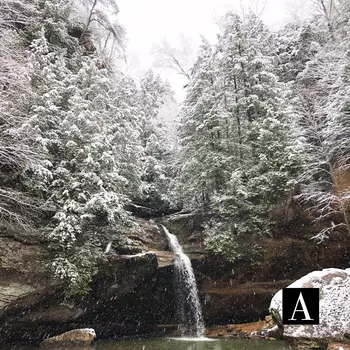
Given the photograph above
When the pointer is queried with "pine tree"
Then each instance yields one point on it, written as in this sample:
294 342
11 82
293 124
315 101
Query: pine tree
87 186
198 161
156 150
265 165
296 45
88 129
239 128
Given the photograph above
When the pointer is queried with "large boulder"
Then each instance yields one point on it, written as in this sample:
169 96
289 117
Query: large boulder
334 285
76 337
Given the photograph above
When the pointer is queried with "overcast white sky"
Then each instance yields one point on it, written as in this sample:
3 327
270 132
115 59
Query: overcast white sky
148 21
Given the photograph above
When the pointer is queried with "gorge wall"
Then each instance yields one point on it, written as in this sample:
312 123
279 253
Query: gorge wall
133 293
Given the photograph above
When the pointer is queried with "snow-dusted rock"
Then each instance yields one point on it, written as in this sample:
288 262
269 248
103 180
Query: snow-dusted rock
83 336
274 332
334 287
338 346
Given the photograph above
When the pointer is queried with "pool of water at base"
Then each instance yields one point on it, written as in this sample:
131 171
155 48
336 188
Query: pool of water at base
170 344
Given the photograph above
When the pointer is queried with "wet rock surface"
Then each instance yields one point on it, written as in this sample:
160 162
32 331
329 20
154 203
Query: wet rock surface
338 346
242 291
22 269
127 295
264 329
235 330
226 303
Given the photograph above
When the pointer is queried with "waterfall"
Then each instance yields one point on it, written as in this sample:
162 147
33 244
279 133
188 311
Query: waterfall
188 305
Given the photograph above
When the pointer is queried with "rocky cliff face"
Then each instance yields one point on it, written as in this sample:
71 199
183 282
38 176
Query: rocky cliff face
133 293
126 294
241 291
22 268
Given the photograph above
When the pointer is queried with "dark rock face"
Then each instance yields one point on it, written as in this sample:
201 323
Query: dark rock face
241 291
185 225
131 290
21 269
130 295
237 304
24 283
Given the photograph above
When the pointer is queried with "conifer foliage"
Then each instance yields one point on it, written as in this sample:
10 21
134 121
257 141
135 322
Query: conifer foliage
265 119
235 133
155 160
87 137
75 112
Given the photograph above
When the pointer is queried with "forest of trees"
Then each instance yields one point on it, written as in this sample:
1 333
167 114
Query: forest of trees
265 121
80 140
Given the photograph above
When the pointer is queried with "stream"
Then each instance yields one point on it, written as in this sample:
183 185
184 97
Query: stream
170 344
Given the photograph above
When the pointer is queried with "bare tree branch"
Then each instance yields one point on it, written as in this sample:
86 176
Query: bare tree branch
179 59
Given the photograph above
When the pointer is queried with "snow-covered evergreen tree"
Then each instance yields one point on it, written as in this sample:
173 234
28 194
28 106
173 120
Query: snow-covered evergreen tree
296 45
199 159
89 131
236 133
156 150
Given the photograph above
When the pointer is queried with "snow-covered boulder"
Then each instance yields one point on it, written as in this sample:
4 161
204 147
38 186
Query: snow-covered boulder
82 337
334 287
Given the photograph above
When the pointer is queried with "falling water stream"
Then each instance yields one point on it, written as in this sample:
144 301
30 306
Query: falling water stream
188 306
